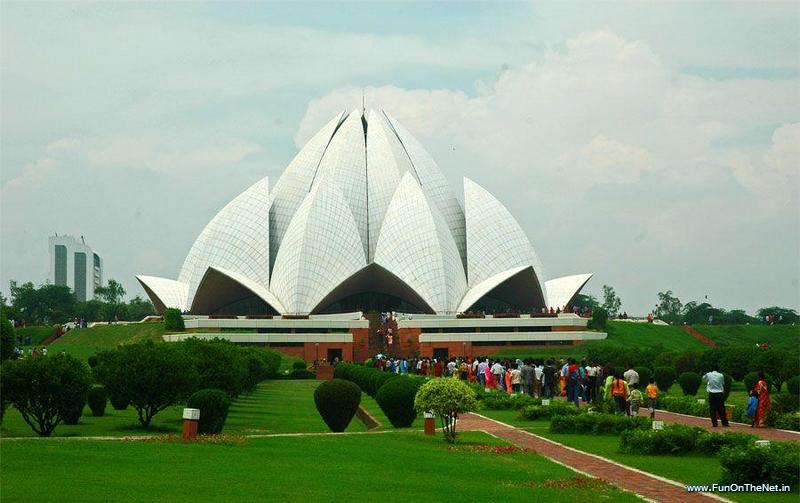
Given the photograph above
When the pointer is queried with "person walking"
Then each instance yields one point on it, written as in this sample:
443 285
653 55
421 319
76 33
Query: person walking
538 379
715 386
549 373
591 385
762 392
619 393
652 397
499 375
526 376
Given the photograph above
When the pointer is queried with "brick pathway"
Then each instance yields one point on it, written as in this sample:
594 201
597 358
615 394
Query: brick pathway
644 484
705 422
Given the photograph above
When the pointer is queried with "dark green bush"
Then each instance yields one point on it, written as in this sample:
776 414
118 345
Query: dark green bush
599 318
711 443
213 405
793 385
396 400
301 374
299 365
337 401
684 405
784 403
790 421
219 363
750 380
597 423
368 379
118 401
556 408
664 377
92 361
644 376
778 464
690 383
97 399
679 439
173 320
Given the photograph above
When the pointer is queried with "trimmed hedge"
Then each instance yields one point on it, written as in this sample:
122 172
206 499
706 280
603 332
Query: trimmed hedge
214 405
337 401
118 401
97 398
793 385
300 365
173 320
690 383
368 379
396 400
678 439
597 423
778 464
664 377
556 408
301 374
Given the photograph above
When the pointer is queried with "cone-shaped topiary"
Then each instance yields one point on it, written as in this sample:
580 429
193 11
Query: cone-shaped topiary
396 399
213 405
97 400
690 382
337 401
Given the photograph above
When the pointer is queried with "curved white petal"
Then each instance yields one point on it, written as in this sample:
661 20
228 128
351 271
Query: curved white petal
560 291
434 184
495 241
164 292
295 183
237 239
415 244
344 163
321 249
221 286
475 293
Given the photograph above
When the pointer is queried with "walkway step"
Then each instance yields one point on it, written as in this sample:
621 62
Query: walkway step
630 479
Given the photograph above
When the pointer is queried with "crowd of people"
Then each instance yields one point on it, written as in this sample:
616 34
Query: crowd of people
577 381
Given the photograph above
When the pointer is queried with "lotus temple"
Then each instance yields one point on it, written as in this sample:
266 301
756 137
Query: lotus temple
362 222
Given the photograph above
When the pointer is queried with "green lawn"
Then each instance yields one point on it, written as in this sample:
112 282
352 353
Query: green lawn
395 466
777 336
691 469
84 342
672 338
36 333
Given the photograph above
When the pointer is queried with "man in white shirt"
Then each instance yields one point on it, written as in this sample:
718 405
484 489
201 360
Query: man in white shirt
499 374
482 372
631 376
715 386
591 385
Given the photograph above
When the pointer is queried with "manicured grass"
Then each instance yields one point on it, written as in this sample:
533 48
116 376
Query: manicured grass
671 338
691 469
36 333
84 342
777 336
395 466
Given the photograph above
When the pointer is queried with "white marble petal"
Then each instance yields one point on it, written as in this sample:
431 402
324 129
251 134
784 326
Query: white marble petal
165 292
475 293
560 291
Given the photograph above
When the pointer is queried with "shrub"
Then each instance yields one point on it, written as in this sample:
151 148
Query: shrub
503 401
690 383
686 362
43 389
220 364
711 443
727 382
784 403
213 405
793 385
92 361
597 423
556 408
118 401
299 365
644 376
97 400
749 381
673 439
684 405
7 337
664 377
150 377
337 401
368 379
446 398
301 374
789 421
778 464
599 318
396 400
173 320
71 413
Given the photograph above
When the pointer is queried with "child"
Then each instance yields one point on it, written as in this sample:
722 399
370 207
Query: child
635 400
652 396
752 406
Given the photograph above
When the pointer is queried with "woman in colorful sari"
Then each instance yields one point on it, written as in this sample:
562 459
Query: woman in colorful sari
507 377
762 390
489 377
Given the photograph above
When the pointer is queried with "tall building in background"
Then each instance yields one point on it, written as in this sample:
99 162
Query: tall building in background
74 264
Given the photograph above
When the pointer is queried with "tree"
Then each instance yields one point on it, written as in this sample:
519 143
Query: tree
139 308
737 317
43 389
446 398
7 338
582 300
701 314
46 304
668 307
111 294
787 315
611 303
778 365
152 377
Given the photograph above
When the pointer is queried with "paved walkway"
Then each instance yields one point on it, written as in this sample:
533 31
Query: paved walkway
644 484
705 422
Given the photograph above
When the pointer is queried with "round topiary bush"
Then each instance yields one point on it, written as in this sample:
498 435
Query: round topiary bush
690 383
664 377
599 318
793 385
92 361
213 405
396 400
97 399
71 413
644 376
337 401
299 365
119 402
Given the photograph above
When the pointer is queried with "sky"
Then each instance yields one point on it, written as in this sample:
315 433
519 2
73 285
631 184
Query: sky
656 145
